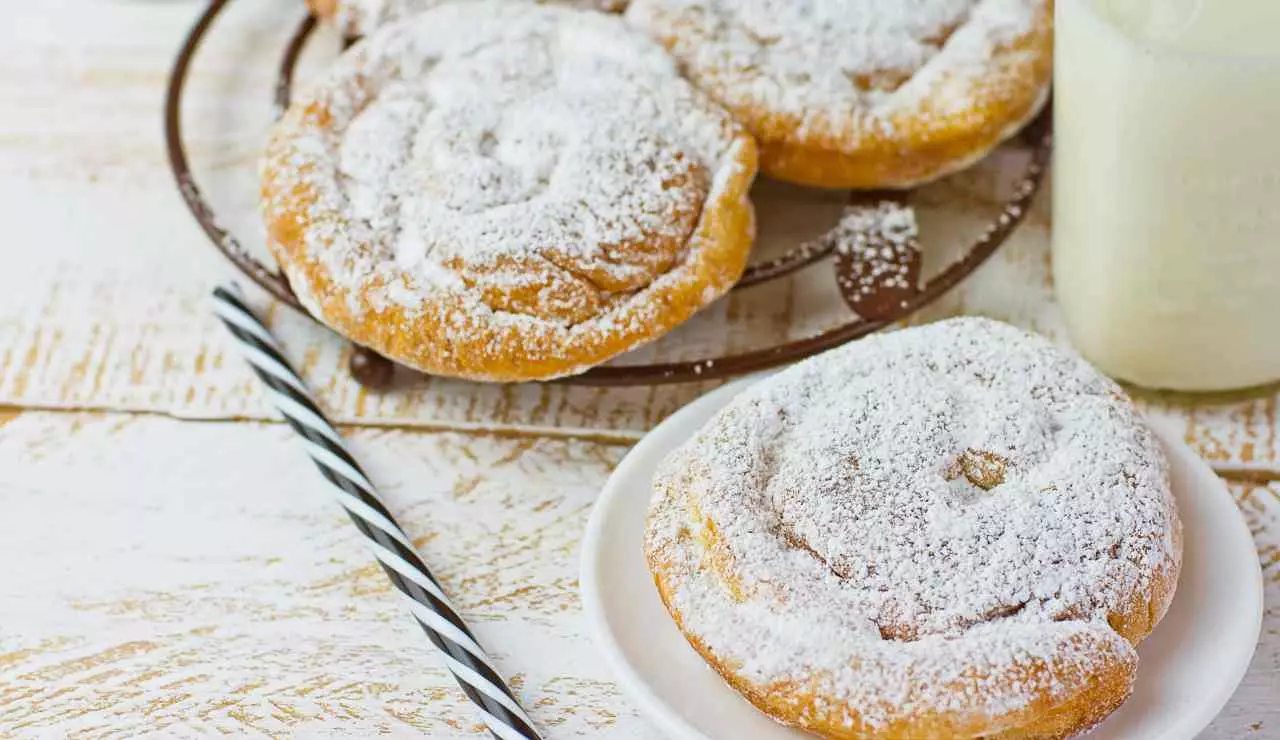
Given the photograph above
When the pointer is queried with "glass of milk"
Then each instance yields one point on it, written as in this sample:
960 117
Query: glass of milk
1166 189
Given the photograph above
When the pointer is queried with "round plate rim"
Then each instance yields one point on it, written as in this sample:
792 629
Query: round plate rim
656 711
630 681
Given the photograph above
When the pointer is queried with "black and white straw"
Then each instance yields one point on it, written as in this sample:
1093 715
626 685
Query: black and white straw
391 546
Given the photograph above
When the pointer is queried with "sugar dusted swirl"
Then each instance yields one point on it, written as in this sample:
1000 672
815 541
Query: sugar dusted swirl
358 17
507 191
949 531
864 93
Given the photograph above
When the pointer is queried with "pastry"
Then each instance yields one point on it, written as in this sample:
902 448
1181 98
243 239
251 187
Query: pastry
358 17
507 191
864 93
954 531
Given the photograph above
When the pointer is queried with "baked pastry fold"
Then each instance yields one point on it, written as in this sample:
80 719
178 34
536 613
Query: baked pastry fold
507 191
954 531
864 93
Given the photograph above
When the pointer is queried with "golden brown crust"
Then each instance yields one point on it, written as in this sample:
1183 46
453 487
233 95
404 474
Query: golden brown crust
448 339
751 534
527 311
918 144
1146 609
323 9
806 707
915 151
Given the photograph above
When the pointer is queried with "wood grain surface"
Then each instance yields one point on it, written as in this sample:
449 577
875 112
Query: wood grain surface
173 567
109 310
182 577
191 577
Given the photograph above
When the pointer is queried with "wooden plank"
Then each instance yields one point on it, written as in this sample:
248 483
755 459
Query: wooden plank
193 577
1249 714
180 578
105 308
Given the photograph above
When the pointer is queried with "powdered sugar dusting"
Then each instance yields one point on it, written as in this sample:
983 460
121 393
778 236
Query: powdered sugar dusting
538 164
825 61
911 521
359 17
880 243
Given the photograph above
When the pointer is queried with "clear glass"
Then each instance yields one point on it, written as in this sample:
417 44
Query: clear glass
1166 189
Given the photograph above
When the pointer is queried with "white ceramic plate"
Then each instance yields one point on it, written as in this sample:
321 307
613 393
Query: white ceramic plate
1189 667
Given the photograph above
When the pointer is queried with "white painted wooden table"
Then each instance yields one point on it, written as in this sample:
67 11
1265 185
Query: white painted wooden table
172 566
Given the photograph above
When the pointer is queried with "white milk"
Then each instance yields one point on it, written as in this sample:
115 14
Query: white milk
1166 189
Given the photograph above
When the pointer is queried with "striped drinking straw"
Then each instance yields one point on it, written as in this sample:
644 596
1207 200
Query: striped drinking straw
427 602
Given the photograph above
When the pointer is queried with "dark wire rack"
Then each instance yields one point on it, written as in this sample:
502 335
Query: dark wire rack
872 307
